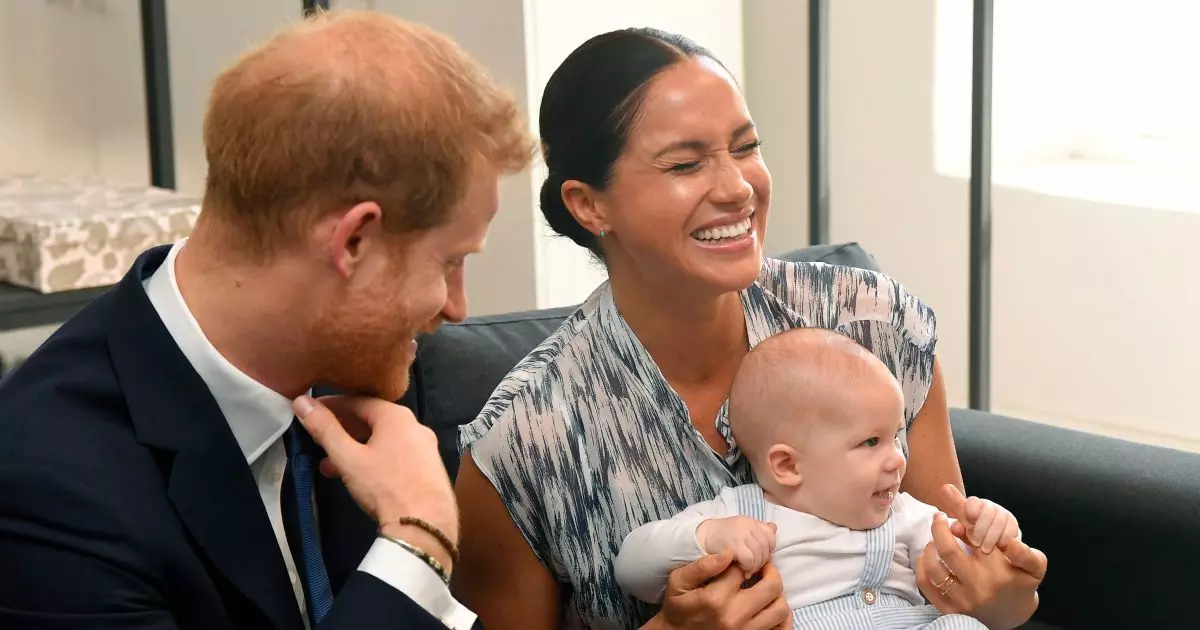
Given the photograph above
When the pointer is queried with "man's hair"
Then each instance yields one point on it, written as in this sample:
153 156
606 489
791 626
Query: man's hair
346 107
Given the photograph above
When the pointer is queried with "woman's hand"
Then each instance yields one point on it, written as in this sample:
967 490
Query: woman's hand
708 594
998 589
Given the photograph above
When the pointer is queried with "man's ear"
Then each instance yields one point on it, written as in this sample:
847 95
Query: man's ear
784 463
585 204
354 234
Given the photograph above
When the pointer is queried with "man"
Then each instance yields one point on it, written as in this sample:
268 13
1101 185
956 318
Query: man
151 473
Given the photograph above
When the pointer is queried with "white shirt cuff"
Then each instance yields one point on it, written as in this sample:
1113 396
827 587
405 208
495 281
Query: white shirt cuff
411 576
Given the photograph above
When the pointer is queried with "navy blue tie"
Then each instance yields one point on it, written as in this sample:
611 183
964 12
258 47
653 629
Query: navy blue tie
309 561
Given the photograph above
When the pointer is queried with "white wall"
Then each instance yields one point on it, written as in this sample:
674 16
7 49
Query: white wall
776 86
1091 302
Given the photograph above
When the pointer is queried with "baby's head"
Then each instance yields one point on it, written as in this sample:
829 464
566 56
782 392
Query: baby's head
821 418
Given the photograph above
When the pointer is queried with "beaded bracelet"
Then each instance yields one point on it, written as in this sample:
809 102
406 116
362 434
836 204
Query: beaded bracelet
423 557
438 534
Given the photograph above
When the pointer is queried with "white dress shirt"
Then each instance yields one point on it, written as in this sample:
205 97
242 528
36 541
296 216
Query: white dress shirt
258 417
817 560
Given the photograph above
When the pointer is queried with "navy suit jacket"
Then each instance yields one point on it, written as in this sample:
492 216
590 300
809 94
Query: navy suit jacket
125 502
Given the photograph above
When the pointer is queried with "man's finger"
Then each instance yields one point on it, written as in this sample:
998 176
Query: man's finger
355 413
1027 559
324 427
329 469
696 574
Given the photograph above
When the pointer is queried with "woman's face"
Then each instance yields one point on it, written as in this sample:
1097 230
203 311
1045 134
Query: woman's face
689 196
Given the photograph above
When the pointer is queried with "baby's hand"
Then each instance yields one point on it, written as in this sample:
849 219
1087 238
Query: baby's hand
987 525
751 541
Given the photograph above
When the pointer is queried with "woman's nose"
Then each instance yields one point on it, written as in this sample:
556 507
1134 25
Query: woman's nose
731 186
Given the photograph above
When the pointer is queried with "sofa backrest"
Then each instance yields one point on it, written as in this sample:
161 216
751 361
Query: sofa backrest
458 367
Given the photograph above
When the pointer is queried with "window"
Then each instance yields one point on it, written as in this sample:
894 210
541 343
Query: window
1095 100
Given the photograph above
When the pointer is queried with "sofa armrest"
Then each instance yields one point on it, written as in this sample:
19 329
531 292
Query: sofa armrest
1117 520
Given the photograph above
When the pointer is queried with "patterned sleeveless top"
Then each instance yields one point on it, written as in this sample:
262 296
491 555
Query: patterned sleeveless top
585 440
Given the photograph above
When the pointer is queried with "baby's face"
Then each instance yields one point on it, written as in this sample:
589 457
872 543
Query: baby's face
852 466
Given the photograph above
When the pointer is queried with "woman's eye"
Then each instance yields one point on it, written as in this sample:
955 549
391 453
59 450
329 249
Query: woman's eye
749 147
685 167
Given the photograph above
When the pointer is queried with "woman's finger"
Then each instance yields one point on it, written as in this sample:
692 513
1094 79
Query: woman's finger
758 598
1027 559
933 581
693 576
953 501
948 550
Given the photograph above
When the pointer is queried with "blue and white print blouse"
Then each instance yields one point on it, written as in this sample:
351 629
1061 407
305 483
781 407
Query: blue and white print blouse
585 440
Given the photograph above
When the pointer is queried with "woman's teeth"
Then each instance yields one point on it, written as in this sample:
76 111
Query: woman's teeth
741 228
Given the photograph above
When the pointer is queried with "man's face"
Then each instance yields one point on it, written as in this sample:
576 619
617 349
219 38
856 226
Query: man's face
368 342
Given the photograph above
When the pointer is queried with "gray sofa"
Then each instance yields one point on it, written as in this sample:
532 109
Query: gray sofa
1120 522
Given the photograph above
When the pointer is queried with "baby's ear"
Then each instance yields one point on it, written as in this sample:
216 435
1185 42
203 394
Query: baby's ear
784 463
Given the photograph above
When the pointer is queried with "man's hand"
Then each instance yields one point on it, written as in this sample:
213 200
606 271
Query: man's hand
389 464
750 540
707 595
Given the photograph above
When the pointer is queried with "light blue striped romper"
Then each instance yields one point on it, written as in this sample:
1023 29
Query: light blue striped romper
585 440
869 607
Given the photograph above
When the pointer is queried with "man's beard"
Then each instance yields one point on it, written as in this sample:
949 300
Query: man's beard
365 354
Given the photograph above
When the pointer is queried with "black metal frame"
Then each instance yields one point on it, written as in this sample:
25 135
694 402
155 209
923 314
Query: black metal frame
156 66
979 383
980 344
818 122
312 6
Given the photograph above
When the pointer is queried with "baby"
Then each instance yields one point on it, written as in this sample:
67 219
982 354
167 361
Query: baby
821 421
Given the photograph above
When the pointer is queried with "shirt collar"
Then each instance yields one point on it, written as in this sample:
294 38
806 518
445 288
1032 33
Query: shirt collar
256 414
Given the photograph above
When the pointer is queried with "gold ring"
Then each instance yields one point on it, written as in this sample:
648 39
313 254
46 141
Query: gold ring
939 585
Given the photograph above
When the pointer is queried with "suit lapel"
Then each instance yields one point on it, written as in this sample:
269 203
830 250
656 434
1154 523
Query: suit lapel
209 482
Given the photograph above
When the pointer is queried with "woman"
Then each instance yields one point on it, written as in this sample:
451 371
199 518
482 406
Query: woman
619 418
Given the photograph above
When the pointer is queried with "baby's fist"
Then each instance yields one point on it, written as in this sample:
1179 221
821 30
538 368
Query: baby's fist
988 525
750 540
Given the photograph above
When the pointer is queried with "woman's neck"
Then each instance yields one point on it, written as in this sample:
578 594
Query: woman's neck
692 338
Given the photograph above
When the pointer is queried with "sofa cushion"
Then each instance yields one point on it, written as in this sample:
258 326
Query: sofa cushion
1116 519
458 367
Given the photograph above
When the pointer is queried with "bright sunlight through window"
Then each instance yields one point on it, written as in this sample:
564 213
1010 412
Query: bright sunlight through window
1092 99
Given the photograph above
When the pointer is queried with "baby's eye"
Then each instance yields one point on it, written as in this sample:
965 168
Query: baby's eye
871 442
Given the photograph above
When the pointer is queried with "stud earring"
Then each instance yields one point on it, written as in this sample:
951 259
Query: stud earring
602 233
